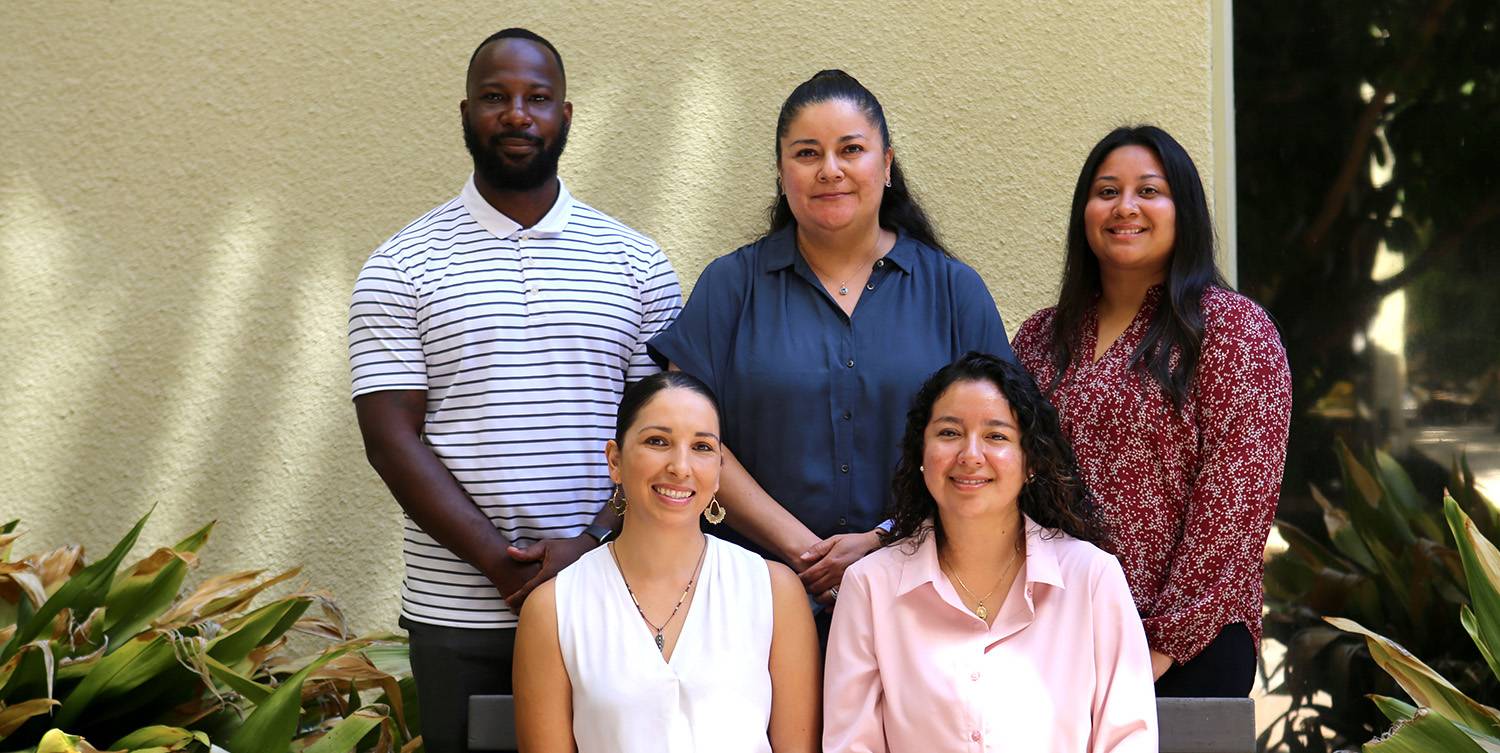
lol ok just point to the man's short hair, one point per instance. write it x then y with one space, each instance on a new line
516 32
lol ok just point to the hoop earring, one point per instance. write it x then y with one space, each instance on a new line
714 513
617 501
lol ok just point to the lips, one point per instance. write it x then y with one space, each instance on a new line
672 494
970 483
827 196
1126 231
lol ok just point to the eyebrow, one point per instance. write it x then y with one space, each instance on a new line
668 430
991 422
1146 176
842 139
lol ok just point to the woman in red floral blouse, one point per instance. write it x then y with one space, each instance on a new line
1175 393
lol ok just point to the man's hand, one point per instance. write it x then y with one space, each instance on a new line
1160 663
826 560
543 560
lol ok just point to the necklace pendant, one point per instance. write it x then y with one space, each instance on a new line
980 612
843 290
661 643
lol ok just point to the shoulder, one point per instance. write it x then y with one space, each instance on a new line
441 222
1033 340
784 582
1231 314
541 604
601 227
1082 562
734 270
884 565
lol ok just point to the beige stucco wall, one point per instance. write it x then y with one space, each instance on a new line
187 191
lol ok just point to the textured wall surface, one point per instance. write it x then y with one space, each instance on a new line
187 191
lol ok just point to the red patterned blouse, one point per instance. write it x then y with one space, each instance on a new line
1188 496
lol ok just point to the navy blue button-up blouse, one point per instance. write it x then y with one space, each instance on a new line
815 401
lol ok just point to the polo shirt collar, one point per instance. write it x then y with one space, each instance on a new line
922 568
780 251
495 221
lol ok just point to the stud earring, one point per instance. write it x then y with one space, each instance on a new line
921 469
617 501
887 182
714 513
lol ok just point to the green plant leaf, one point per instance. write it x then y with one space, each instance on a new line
350 730
82 593
1482 569
1394 709
1470 623
136 662
271 726
258 628
1342 533
31 671
145 590
1421 682
12 717
8 536
1425 732
161 737
253 691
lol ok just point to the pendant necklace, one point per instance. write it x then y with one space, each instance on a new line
844 284
980 610
661 643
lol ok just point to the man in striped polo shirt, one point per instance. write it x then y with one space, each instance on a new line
490 341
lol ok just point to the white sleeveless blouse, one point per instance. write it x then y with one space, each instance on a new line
714 694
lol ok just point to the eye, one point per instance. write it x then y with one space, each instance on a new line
1149 191
804 153
703 447
656 441
947 432
540 98
1108 192
998 437
490 97
854 148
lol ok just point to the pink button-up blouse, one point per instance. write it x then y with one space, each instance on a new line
1064 668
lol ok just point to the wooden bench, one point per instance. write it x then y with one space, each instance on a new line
1188 725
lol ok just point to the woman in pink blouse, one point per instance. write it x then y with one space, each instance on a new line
1175 394
991 620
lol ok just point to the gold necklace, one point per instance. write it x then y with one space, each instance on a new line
980 610
661 643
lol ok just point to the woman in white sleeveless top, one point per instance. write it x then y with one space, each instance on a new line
667 639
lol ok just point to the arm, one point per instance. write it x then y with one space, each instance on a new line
853 721
977 318
1244 399
391 424
552 555
1124 703
544 695
794 666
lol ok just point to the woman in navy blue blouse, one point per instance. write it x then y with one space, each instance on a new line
815 337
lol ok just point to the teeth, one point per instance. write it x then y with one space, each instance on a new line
1132 231
980 482
673 493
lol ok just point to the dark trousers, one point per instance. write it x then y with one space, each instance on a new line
449 665
1225 669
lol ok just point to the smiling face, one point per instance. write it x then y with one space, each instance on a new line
972 460
669 458
1130 219
514 117
833 167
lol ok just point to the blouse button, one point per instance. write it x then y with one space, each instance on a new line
849 363
844 468
974 676
974 736
880 262
848 415
870 286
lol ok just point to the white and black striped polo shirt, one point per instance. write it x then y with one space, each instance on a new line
524 339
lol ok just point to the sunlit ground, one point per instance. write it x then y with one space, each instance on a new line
1479 441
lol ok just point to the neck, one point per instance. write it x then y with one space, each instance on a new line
841 249
982 546
1123 292
651 551
526 207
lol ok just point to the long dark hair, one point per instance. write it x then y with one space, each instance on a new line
899 210
638 394
1055 497
1177 326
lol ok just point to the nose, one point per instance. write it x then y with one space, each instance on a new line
969 453
829 170
677 461
514 114
1126 206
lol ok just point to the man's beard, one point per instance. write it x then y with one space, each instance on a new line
509 176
